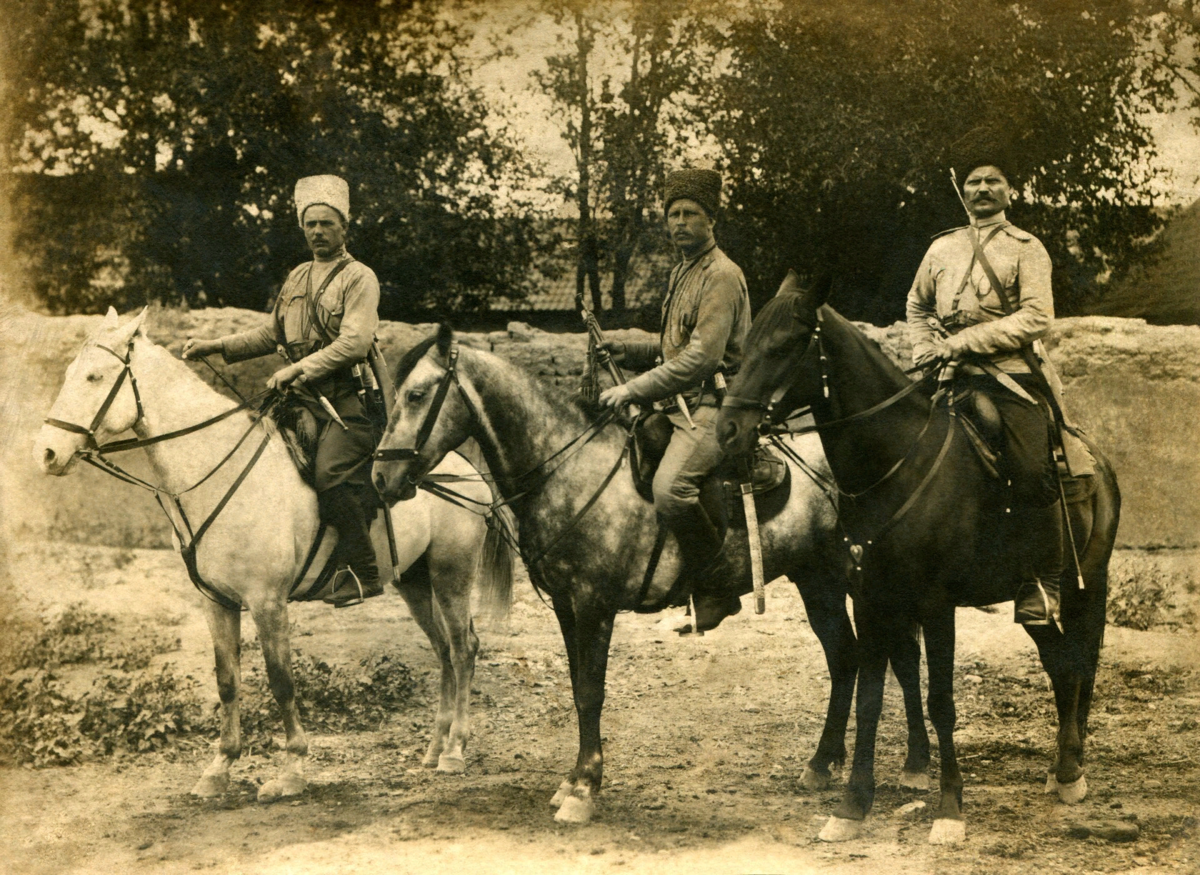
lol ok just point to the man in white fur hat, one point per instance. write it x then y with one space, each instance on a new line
325 319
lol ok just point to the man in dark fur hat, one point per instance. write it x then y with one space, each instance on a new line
956 315
705 319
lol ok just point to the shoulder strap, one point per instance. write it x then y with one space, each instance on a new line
1027 355
312 299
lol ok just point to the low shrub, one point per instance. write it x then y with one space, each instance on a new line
331 698
44 721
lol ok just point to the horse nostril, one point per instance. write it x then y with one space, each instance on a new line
49 457
380 483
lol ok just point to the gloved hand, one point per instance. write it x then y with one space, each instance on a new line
615 397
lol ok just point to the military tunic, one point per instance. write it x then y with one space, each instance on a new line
348 311
705 319
952 287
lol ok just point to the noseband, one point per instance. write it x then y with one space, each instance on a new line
406 454
90 431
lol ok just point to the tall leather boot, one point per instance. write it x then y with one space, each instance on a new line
700 543
1036 602
344 508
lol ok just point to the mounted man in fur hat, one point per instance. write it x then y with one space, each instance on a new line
982 300
324 324
705 319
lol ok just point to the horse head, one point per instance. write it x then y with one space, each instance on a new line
431 416
98 398
778 374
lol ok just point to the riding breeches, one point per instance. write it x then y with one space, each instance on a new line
1026 456
692 455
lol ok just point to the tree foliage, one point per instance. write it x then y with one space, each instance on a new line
836 122
622 83
157 143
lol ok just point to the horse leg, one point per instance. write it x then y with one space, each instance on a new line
566 625
454 610
906 665
825 605
225 626
417 589
1066 677
874 647
272 622
592 634
948 824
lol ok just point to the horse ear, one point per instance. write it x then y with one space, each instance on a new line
445 336
111 319
126 332
818 293
790 284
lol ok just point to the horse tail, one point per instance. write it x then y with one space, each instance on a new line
1096 552
496 567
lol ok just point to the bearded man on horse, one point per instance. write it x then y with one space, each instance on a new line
705 319
979 304
324 325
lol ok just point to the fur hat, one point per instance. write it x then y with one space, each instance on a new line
701 186
331 191
986 145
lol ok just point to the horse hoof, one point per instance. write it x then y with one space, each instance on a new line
814 780
947 831
914 780
279 788
576 809
839 829
561 794
1073 792
210 786
451 765
1051 783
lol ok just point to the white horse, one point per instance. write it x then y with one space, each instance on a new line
259 543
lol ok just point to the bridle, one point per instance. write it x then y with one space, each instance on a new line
188 537
540 471
90 431
450 377
768 425
769 408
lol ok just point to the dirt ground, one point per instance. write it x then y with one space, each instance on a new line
705 741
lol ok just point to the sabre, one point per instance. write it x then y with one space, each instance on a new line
303 380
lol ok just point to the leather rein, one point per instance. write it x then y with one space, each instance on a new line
435 485
188 538
768 425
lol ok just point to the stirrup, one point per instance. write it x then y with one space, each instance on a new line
342 596
1034 605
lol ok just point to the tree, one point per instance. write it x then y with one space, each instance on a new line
209 111
836 120
626 124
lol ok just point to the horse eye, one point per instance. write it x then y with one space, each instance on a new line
95 378
415 396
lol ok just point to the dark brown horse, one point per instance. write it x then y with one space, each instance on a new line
926 528
588 538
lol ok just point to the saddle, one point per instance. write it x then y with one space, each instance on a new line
984 430
652 434
300 430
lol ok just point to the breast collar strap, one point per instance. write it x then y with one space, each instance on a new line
90 431
406 454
